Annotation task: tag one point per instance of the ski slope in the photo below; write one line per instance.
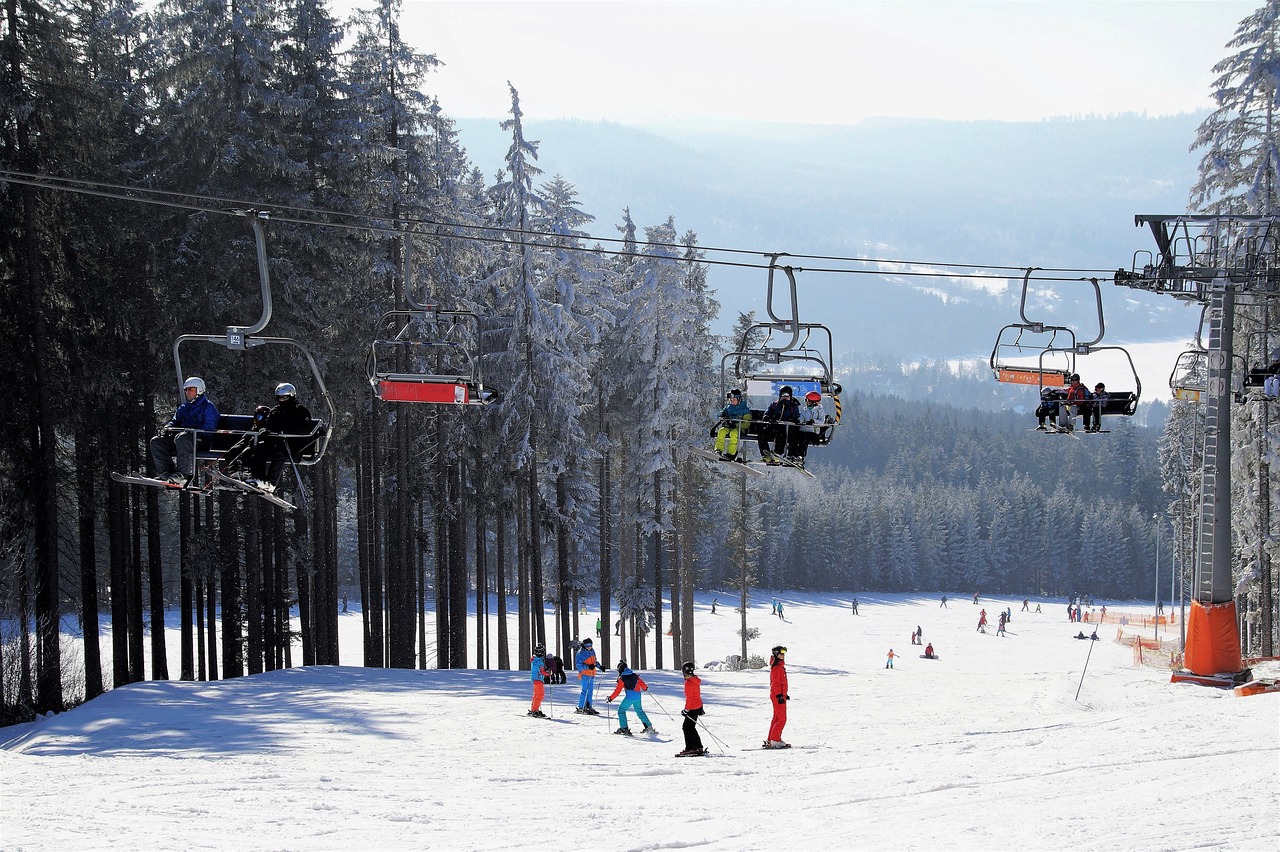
(988, 747)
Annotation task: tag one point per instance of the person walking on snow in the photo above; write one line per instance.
(778, 690)
(692, 710)
(633, 685)
(585, 662)
(888, 663)
(538, 671)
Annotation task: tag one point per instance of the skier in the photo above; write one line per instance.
(855, 606)
(585, 662)
(289, 418)
(778, 689)
(888, 663)
(1000, 626)
(982, 622)
(1026, 605)
(780, 610)
(733, 421)
(692, 710)
(186, 432)
(538, 671)
(944, 603)
(633, 686)
(919, 635)
(714, 601)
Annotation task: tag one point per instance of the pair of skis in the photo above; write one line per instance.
(752, 468)
(207, 480)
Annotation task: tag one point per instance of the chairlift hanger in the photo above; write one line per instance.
(243, 338)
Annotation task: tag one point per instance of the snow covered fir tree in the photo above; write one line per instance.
(138, 140)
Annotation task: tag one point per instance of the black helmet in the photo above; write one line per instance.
(539, 649)
(778, 651)
(622, 666)
(787, 390)
(687, 669)
(735, 392)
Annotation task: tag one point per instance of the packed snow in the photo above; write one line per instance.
(1034, 740)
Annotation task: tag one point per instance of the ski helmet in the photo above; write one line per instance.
(622, 666)
(261, 412)
(539, 649)
(813, 397)
(786, 389)
(778, 651)
(736, 393)
(687, 669)
(194, 382)
(285, 389)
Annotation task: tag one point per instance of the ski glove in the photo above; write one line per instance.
(782, 699)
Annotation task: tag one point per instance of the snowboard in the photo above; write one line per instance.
(934, 657)
(745, 467)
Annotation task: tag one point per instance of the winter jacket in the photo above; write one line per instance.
(199, 413)
(693, 694)
(631, 683)
(585, 662)
(778, 682)
(785, 410)
(538, 668)
(812, 417)
(735, 411)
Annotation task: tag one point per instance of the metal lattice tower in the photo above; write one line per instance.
(1218, 261)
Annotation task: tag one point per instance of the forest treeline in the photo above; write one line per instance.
(153, 136)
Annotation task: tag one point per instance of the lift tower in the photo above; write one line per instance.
(1218, 262)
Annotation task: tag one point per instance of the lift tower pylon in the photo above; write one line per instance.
(1218, 261)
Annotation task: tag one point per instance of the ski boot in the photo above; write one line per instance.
(537, 714)
(626, 732)
(649, 729)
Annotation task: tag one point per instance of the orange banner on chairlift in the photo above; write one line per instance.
(1023, 376)
(440, 393)
(1213, 639)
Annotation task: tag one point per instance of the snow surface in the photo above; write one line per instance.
(987, 747)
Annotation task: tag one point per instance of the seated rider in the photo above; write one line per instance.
(733, 421)
(250, 453)
(781, 421)
(812, 420)
(1099, 403)
(1047, 412)
(1078, 396)
(928, 650)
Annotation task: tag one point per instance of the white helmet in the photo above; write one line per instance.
(194, 382)
(286, 389)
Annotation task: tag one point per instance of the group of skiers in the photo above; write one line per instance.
(1056, 404)
(631, 686)
(787, 430)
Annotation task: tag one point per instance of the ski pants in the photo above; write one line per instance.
(779, 720)
(631, 702)
(727, 437)
(165, 446)
(588, 688)
(538, 691)
(690, 728)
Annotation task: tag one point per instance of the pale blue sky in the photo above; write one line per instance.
(638, 61)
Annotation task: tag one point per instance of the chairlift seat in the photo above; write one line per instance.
(233, 427)
(1121, 402)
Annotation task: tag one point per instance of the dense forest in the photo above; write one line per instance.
(136, 149)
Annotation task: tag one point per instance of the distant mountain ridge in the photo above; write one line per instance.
(1056, 193)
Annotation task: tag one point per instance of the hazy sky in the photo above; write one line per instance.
(821, 62)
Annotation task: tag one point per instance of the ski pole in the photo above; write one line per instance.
(1086, 668)
(719, 741)
(660, 707)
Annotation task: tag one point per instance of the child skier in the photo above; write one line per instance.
(778, 691)
(585, 662)
(692, 710)
(538, 671)
(633, 685)
(888, 663)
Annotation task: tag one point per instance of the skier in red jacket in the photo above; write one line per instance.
(692, 710)
(779, 696)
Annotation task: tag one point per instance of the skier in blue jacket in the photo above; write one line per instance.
(585, 662)
(193, 419)
(634, 685)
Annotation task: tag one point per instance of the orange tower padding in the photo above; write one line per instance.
(1213, 639)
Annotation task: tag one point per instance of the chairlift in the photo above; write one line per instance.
(1119, 402)
(305, 449)
(1261, 366)
(783, 351)
(433, 356)
(1191, 368)
(1016, 356)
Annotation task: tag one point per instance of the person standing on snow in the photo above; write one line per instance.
(585, 662)
(538, 671)
(692, 710)
(633, 685)
(778, 691)
(888, 663)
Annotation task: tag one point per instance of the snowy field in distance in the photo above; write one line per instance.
(987, 747)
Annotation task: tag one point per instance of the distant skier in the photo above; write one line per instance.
(928, 652)
(1026, 605)
(778, 691)
(982, 622)
(855, 606)
(780, 610)
(944, 603)
(975, 597)
(585, 662)
(714, 601)
(1000, 626)
(692, 710)
(888, 663)
(537, 672)
(633, 685)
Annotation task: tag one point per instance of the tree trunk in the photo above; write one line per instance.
(87, 464)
